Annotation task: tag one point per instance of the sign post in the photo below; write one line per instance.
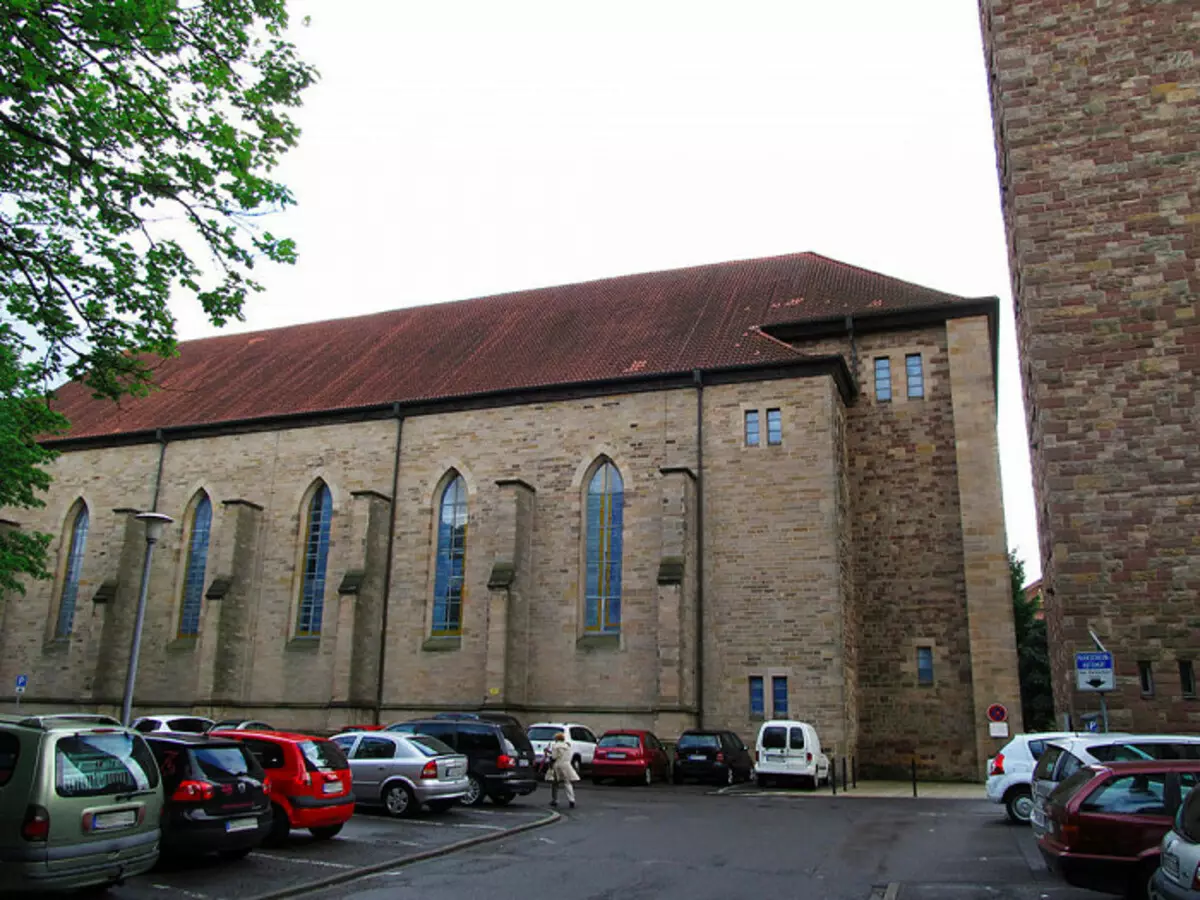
(1094, 673)
(22, 681)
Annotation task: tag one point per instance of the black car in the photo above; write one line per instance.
(500, 759)
(483, 715)
(717, 756)
(216, 799)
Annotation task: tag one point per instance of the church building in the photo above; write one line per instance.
(709, 496)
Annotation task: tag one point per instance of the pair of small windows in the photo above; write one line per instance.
(1187, 678)
(914, 374)
(779, 696)
(774, 428)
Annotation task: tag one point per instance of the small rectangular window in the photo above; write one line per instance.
(883, 379)
(1187, 678)
(925, 665)
(774, 427)
(779, 696)
(916, 377)
(752, 428)
(1146, 677)
(757, 702)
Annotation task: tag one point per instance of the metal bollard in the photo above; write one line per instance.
(854, 771)
(914, 775)
(831, 773)
(844, 775)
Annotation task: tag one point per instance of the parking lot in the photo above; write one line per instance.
(638, 843)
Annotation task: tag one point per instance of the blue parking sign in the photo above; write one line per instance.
(22, 681)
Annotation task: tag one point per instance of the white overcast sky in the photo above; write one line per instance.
(457, 149)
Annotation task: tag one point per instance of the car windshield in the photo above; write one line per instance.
(774, 738)
(322, 755)
(429, 746)
(698, 741)
(543, 732)
(93, 765)
(222, 763)
(619, 740)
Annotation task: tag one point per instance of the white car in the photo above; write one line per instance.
(1010, 772)
(788, 749)
(179, 724)
(580, 737)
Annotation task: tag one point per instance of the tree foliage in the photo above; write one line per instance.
(137, 144)
(1033, 654)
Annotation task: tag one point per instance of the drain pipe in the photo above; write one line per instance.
(387, 570)
(162, 452)
(698, 379)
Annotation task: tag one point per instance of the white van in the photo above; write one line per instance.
(786, 749)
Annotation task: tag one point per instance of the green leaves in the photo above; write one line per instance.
(124, 120)
(1033, 655)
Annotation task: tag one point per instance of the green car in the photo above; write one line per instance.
(80, 801)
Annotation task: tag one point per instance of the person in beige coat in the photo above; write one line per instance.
(561, 772)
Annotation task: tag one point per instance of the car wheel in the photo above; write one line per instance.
(729, 779)
(474, 795)
(503, 799)
(1019, 805)
(762, 781)
(676, 778)
(597, 781)
(441, 806)
(234, 855)
(648, 778)
(576, 764)
(399, 801)
(325, 832)
(280, 826)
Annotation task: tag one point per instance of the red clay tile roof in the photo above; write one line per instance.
(656, 323)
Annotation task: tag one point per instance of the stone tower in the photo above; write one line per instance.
(1096, 105)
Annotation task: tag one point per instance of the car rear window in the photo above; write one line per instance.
(220, 764)
(698, 741)
(1069, 787)
(1134, 751)
(429, 746)
(188, 726)
(774, 738)
(322, 755)
(1045, 767)
(518, 738)
(102, 763)
(619, 740)
(543, 733)
(10, 749)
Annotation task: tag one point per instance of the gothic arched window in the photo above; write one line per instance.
(70, 586)
(451, 558)
(602, 549)
(316, 555)
(194, 567)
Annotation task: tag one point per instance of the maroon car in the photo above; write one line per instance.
(1104, 823)
(630, 754)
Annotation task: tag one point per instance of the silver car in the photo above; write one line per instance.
(403, 772)
(1178, 875)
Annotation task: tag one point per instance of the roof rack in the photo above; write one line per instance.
(50, 720)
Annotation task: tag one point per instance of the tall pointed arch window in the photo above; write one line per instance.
(605, 501)
(451, 558)
(70, 588)
(197, 562)
(316, 555)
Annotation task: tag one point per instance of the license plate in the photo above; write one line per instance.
(616, 756)
(241, 824)
(109, 821)
(698, 756)
(332, 787)
(523, 762)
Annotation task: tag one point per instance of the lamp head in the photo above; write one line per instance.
(155, 523)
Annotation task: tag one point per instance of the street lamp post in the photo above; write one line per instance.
(155, 523)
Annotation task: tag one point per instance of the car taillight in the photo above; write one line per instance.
(998, 764)
(267, 787)
(193, 792)
(304, 779)
(720, 757)
(757, 756)
(504, 761)
(36, 826)
(430, 769)
(808, 757)
(1068, 834)
(601, 754)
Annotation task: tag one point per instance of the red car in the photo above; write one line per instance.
(1104, 823)
(309, 777)
(630, 754)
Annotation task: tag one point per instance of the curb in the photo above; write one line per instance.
(401, 861)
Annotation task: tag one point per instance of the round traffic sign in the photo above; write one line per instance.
(997, 712)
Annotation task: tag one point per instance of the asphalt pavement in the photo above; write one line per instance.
(692, 843)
